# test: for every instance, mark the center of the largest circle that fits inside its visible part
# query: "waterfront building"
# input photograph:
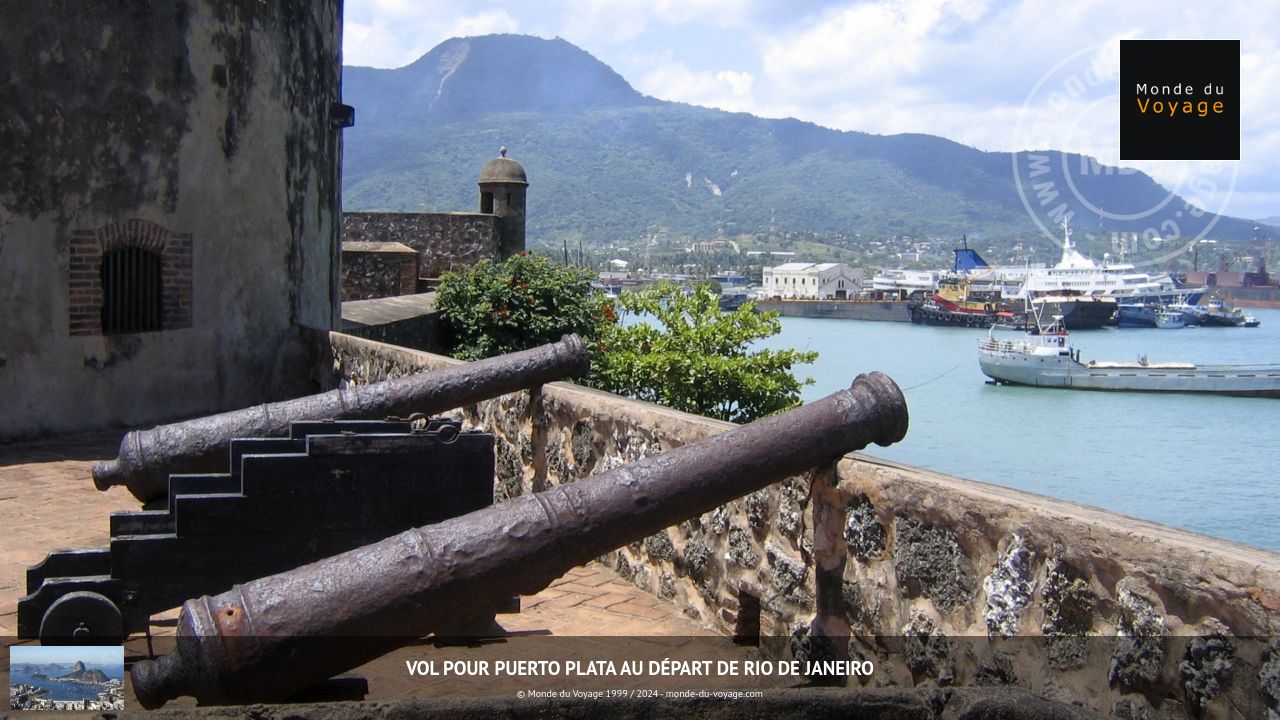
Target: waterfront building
(812, 281)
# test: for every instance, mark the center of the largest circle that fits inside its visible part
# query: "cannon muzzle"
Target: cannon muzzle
(148, 457)
(258, 641)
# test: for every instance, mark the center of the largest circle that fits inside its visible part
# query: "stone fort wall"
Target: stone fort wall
(168, 207)
(941, 581)
(444, 241)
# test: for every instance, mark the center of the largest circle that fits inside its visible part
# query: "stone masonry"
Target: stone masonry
(444, 241)
(378, 269)
(941, 581)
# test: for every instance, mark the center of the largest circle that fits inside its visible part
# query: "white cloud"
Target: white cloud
(394, 33)
(484, 23)
(957, 68)
(861, 49)
(724, 89)
(595, 23)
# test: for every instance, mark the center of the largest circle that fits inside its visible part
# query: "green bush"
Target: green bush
(682, 351)
(494, 308)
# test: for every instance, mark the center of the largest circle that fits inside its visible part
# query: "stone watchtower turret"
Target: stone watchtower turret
(502, 192)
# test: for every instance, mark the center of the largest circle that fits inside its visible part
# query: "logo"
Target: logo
(1180, 99)
(1068, 170)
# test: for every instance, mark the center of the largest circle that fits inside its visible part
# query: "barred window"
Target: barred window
(132, 291)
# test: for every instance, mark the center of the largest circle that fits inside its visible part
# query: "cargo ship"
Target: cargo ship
(1045, 358)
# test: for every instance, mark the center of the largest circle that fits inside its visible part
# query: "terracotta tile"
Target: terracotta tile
(567, 600)
(613, 598)
(635, 608)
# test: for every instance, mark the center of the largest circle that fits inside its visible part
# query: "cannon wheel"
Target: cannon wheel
(82, 618)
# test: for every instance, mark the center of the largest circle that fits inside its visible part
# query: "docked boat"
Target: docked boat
(732, 298)
(1045, 358)
(1119, 281)
(1078, 312)
(956, 303)
(1170, 319)
(890, 310)
(1136, 315)
(1143, 315)
(905, 282)
(1218, 314)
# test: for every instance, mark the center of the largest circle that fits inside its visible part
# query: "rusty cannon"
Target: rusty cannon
(148, 457)
(273, 637)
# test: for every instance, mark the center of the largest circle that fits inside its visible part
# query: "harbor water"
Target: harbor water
(1201, 463)
(68, 690)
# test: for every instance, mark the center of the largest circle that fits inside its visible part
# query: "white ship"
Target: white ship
(1078, 274)
(1046, 359)
(905, 282)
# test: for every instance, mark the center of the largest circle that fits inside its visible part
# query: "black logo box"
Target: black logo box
(1158, 74)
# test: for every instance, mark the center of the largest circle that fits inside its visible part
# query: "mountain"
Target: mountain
(80, 674)
(46, 668)
(608, 164)
(494, 74)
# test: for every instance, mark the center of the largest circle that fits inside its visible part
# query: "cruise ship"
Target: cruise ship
(1076, 274)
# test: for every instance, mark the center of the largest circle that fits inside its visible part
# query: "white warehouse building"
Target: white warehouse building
(822, 281)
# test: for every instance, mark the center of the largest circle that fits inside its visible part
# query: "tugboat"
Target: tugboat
(1215, 314)
(956, 304)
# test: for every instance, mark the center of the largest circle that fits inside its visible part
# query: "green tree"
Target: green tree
(494, 308)
(685, 353)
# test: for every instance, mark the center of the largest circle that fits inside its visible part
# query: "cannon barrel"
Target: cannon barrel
(148, 457)
(251, 643)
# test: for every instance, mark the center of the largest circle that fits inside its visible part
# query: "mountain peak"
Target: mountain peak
(607, 162)
(473, 76)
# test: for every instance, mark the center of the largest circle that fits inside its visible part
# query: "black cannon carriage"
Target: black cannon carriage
(328, 487)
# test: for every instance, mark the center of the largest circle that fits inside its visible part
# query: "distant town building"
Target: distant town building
(812, 280)
(712, 246)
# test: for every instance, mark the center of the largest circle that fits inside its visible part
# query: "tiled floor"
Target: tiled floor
(48, 502)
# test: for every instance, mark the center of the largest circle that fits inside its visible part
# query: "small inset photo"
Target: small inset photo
(66, 677)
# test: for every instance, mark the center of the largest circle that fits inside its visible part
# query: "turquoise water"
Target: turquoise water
(1205, 464)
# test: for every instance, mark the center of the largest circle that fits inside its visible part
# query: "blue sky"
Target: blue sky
(967, 70)
(43, 655)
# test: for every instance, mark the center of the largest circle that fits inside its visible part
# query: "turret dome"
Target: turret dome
(503, 169)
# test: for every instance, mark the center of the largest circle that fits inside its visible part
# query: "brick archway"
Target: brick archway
(85, 273)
